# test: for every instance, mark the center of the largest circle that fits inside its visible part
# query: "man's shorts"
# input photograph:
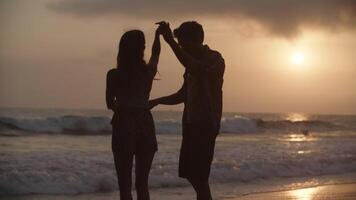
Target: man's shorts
(197, 151)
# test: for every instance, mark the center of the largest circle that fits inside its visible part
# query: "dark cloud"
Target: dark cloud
(279, 17)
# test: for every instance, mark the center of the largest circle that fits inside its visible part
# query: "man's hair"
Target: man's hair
(190, 31)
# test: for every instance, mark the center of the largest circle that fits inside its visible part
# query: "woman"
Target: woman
(127, 92)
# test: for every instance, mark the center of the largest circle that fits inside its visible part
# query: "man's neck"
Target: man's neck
(197, 52)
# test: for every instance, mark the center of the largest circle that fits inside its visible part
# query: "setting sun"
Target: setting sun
(298, 58)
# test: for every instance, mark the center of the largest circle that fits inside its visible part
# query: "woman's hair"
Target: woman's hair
(131, 50)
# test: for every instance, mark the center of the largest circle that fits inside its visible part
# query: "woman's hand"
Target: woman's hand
(166, 31)
(158, 31)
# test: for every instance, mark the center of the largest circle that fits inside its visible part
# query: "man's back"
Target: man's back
(203, 100)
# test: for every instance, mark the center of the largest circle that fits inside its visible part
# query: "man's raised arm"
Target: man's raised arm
(188, 61)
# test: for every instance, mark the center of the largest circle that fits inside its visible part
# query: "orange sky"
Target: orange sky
(54, 56)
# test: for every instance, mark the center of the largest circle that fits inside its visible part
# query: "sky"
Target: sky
(280, 55)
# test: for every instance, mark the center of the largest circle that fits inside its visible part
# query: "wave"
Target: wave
(90, 172)
(311, 125)
(239, 124)
(86, 125)
(63, 124)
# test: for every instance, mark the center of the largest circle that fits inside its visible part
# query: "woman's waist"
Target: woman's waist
(132, 110)
(132, 104)
(133, 116)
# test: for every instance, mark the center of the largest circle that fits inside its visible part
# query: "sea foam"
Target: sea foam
(87, 125)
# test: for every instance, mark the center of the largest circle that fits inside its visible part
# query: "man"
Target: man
(201, 94)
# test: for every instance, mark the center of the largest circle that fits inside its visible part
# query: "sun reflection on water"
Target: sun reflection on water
(304, 194)
(296, 117)
(298, 138)
(304, 152)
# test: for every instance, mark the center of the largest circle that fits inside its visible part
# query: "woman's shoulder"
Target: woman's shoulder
(114, 72)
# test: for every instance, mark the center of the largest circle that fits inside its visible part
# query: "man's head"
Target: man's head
(190, 35)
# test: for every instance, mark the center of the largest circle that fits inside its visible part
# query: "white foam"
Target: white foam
(238, 158)
(238, 124)
(90, 124)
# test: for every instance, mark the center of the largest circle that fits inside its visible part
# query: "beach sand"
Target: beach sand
(327, 192)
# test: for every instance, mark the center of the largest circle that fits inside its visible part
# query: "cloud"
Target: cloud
(279, 17)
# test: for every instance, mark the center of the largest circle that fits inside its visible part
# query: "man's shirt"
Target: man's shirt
(202, 89)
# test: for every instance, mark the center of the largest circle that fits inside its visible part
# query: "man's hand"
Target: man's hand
(166, 31)
(152, 103)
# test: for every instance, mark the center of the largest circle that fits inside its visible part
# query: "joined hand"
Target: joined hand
(165, 30)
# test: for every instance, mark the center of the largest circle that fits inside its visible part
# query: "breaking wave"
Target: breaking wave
(86, 125)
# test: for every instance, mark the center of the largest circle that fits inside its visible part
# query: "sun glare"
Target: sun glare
(304, 194)
(298, 58)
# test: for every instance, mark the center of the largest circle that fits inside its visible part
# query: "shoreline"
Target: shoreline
(270, 189)
(342, 191)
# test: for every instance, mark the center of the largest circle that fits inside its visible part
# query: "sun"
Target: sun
(298, 58)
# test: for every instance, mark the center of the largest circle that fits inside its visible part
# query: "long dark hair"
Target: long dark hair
(131, 50)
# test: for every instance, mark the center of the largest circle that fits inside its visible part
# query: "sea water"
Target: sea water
(58, 151)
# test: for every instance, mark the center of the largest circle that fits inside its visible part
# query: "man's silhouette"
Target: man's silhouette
(201, 94)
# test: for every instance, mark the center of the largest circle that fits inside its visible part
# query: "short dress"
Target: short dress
(132, 122)
(133, 132)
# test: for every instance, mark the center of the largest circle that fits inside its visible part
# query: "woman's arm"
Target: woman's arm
(110, 94)
(156, 50)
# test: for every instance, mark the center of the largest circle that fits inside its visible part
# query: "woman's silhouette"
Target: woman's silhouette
(127, 92)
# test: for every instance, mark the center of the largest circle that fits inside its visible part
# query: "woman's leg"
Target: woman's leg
(143, 167)
(123, 165)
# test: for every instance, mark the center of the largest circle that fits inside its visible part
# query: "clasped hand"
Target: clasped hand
(165, 31)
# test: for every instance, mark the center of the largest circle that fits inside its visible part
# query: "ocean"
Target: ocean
(68, 152)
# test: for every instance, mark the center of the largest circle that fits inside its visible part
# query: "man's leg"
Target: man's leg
(202, 189)
(197, 158)
(143, 166)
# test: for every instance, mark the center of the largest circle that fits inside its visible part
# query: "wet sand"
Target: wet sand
(327, 192)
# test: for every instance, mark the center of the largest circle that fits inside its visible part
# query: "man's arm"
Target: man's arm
(194, 65)
(172, 99)
(188, 61)
(184, 58)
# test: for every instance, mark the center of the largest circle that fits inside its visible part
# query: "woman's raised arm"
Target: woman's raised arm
(156, 50)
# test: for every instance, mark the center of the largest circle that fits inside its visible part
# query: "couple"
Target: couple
(127, 94)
